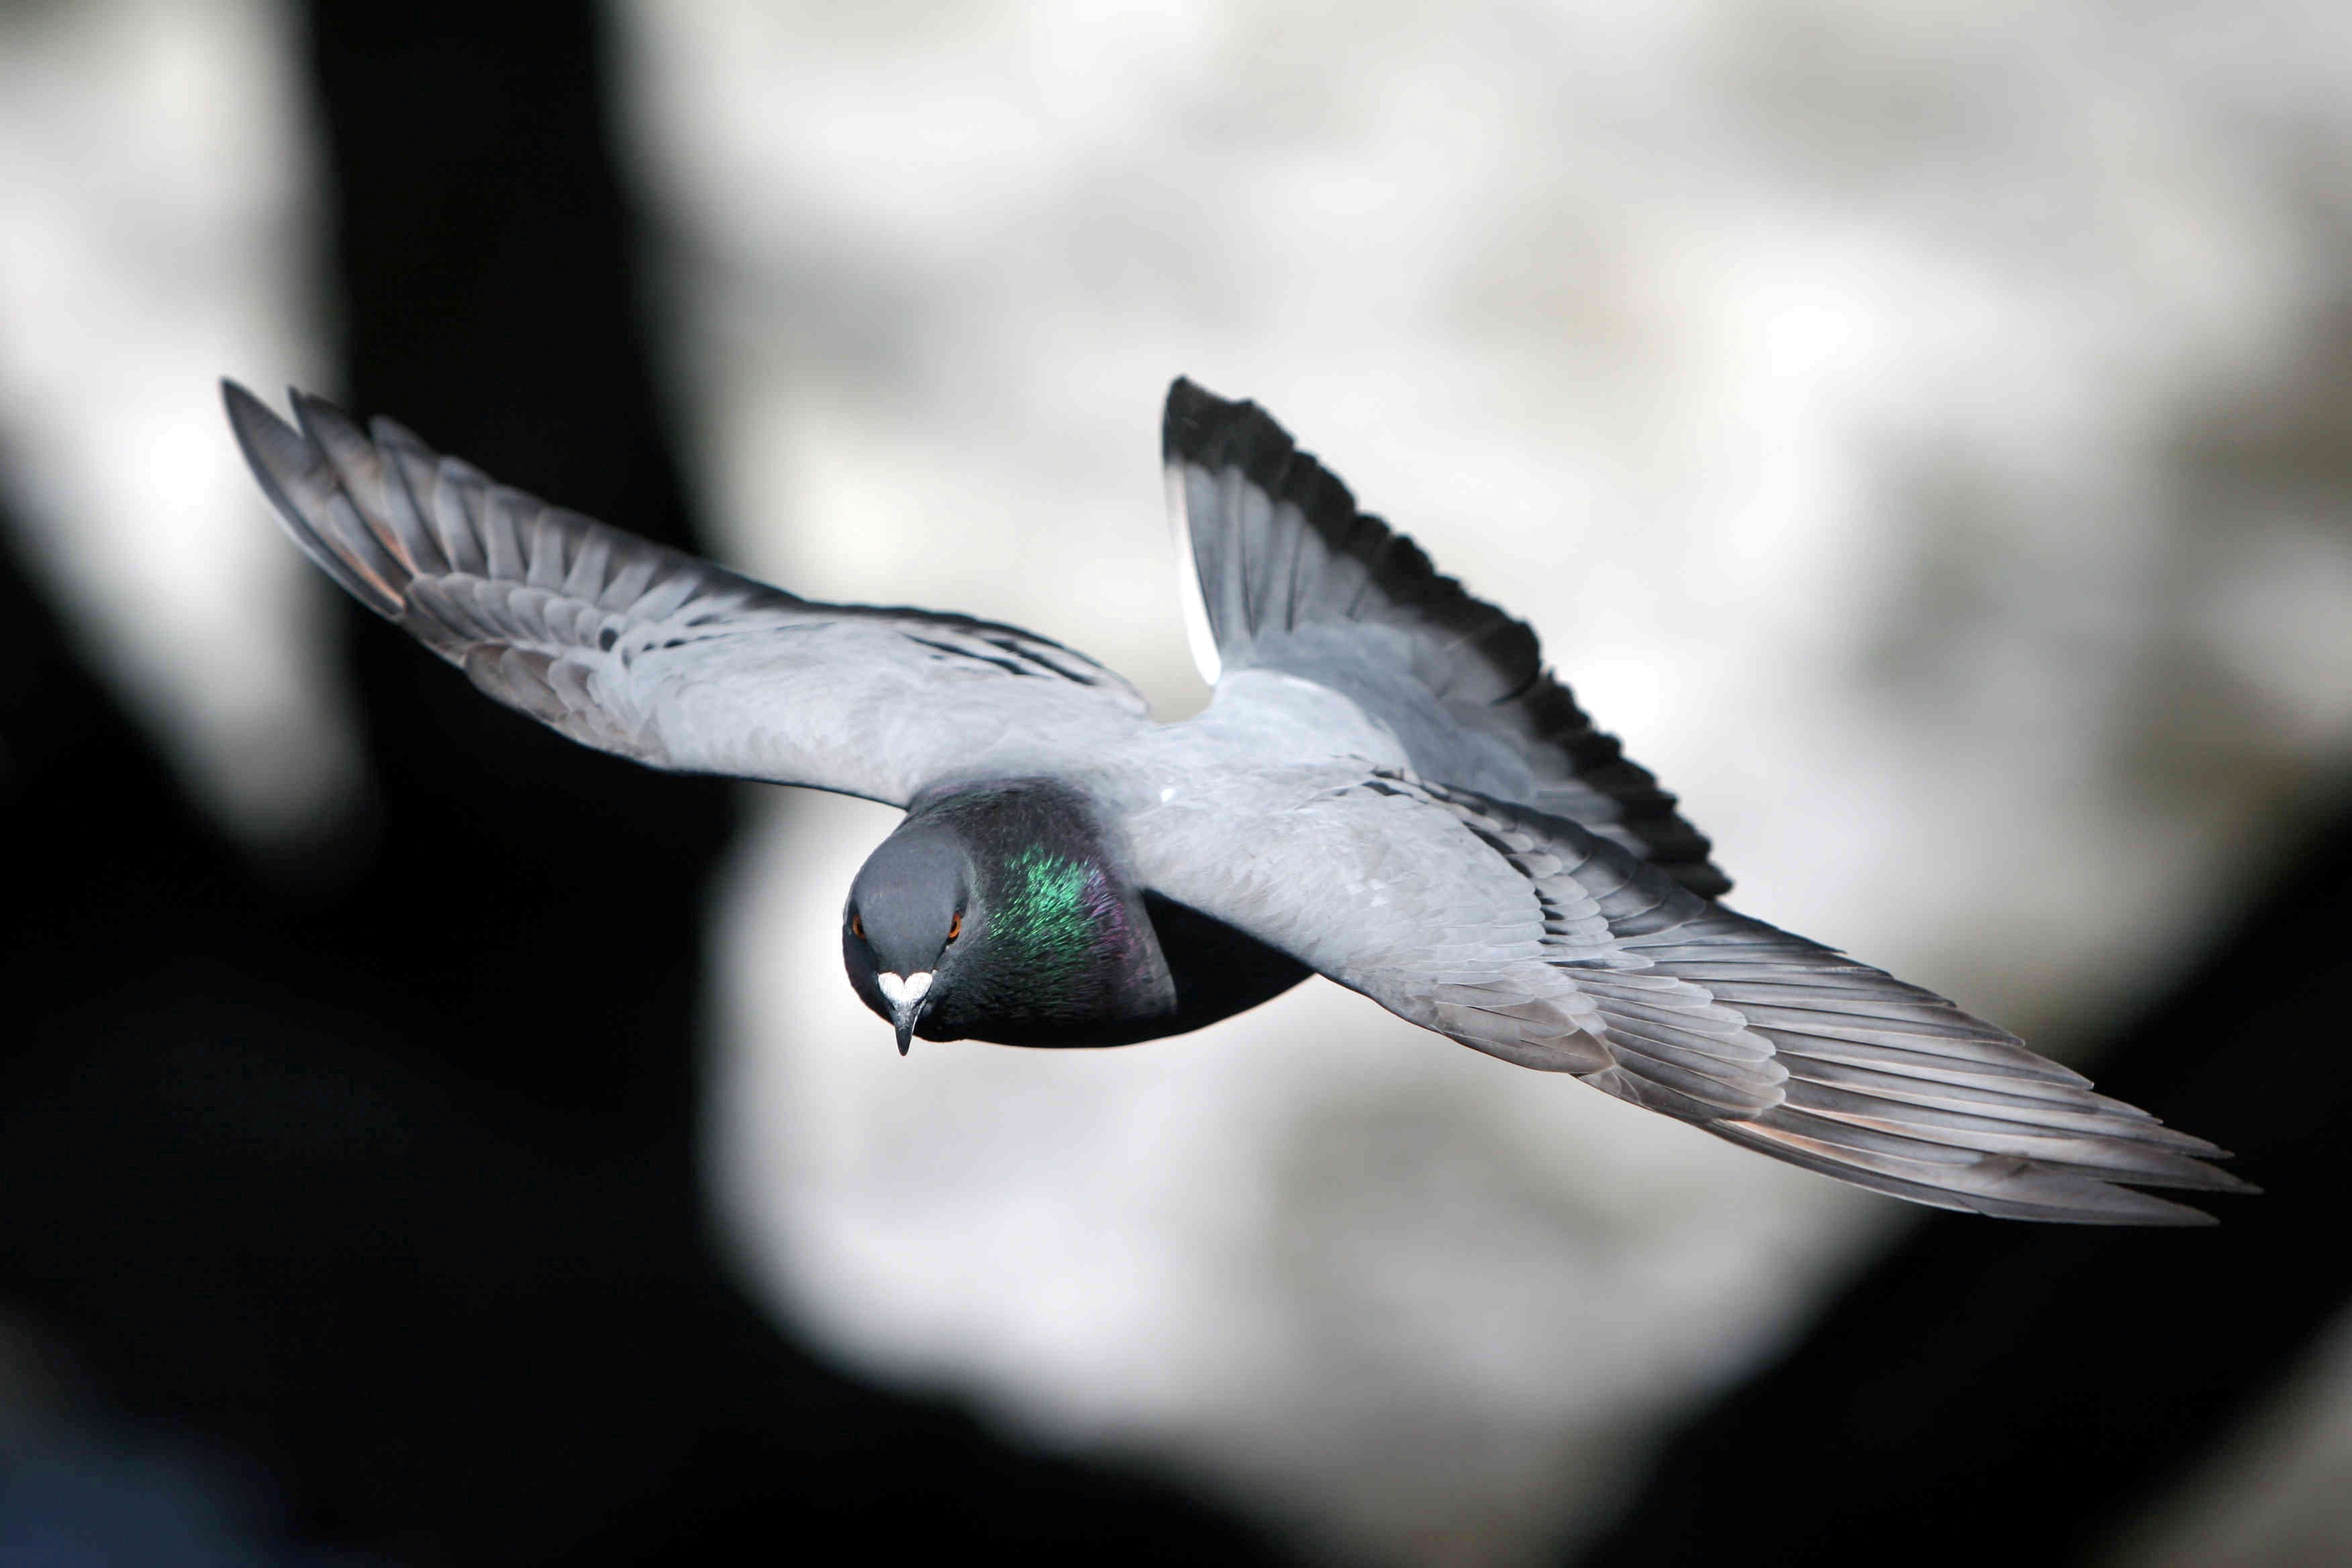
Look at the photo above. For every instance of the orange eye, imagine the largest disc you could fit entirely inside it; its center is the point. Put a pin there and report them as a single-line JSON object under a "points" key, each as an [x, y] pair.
{"points": [[955, 925], [858, 926]]}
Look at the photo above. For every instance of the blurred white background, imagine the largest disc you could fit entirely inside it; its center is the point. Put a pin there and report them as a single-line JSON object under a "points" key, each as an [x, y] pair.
{"points": [[1918, 430]]}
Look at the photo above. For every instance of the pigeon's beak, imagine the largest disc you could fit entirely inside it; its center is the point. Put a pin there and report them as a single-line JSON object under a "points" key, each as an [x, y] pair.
{"points": [[906, 994]]}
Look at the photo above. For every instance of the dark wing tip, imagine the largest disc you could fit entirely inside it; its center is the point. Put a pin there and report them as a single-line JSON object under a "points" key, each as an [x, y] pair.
{"points": [[1200, 427], [275, 450], [259, 432], [1189, 409], [296, 476], [235, 398], [1215, 434], [311, 409]]}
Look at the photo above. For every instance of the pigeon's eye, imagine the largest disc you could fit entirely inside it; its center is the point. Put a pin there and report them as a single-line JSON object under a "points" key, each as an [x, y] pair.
{"points": [[955, 925], [857, 925]]}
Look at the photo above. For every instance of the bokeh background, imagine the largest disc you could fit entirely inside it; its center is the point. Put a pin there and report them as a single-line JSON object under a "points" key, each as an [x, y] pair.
{"points": [[1923, 432]]}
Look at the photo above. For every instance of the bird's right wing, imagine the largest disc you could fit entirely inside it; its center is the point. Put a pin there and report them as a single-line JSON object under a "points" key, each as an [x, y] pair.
{"points": [[1534, 940], [653, 653]]}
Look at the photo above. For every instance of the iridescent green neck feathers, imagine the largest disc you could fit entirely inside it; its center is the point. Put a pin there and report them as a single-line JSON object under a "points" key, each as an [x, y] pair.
{"points": [[1052, 914]]}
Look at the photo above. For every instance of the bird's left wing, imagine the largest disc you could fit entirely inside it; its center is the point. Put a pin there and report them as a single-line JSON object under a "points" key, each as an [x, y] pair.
{"points": [[1533, 939], [653, 653], [1281, 571]]}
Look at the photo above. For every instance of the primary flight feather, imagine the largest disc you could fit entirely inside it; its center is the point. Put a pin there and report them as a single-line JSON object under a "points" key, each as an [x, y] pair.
{"points": [[1388, 788]]}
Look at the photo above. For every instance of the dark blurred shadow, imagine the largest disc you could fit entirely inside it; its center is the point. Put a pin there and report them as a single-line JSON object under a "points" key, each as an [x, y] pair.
{"points": [[2000, 1392], [387, 1185]]}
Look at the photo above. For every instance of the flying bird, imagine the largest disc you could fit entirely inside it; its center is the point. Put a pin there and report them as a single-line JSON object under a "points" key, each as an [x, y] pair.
{"points": [[1388, 788]]}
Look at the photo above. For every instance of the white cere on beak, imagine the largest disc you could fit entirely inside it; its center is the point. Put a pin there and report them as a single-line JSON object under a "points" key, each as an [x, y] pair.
{"points": [[904, 991]]}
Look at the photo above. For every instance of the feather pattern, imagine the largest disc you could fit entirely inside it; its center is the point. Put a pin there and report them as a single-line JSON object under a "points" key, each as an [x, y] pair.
{"points": [[656, 654], [1282, 572], [1556, 949]]}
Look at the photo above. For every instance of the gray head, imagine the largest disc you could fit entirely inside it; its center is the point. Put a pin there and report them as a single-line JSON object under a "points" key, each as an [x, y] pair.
{"points": [[905, 910], [997, 913]]}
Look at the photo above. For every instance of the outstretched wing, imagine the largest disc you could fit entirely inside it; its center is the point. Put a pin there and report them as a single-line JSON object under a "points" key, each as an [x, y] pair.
{"points": [[650, 653], [1531, 939], [1281, 571]]}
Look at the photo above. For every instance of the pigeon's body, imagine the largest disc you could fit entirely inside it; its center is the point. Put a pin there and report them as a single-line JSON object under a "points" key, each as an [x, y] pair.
{"points": [[1047, 939], [1388, 788]]}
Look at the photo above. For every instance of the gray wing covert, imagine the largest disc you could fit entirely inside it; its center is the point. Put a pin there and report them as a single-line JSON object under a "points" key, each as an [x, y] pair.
{"points": [[1281, 571], [653, 653], [1533, 940]]}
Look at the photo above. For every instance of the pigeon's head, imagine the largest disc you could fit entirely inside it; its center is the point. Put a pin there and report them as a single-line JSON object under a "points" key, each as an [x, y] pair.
{"points": [[905, 917], [997, 914]]}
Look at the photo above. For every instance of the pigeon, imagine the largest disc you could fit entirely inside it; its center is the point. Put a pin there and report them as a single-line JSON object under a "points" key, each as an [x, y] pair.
{"points": [[1388, 788]]}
